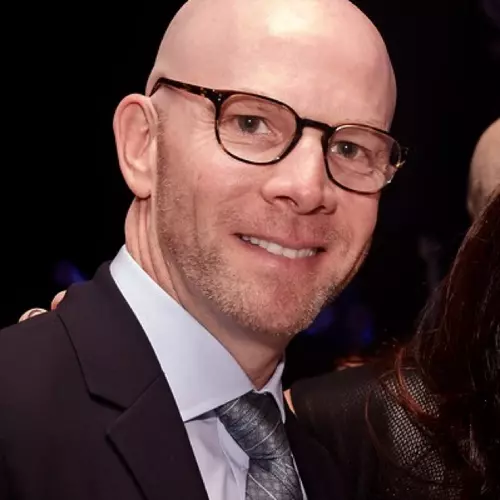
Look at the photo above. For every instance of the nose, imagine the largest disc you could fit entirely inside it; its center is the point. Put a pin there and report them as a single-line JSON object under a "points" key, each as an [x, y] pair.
{"points": [[300, 179]]}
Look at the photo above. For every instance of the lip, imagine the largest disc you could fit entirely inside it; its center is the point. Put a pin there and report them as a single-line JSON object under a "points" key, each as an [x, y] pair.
{"points": [[293, 244]]}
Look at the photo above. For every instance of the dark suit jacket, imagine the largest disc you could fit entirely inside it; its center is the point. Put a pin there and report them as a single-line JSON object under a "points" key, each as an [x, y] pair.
{"points": [[87, 414]]}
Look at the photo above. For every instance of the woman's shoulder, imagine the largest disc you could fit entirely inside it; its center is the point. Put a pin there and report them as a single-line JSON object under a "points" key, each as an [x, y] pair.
{"points": [[332, 395], [361, 402], [358, 415], [333, 408]]}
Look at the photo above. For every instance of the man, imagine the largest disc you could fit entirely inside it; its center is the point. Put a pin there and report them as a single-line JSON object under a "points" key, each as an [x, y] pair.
{"points": [[484, 173], [160, 378]]}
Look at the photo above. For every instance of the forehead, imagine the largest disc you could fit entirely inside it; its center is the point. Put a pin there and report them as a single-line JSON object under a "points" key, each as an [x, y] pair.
{"points": [[331, 85]]}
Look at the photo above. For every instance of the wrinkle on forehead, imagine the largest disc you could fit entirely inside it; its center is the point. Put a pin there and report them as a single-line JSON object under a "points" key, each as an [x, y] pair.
{"points": [[219, 43]]}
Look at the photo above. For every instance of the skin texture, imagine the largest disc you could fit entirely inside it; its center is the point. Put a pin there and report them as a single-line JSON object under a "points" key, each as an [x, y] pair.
{"points": [[192, 201], [484, 174]]}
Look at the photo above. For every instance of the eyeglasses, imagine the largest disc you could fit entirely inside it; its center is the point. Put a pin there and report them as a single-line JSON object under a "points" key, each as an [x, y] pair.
{"points": [[260, 130]]}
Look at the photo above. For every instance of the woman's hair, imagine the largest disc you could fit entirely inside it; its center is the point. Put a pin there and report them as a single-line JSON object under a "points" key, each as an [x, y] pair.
{"points": [[457, 351]]}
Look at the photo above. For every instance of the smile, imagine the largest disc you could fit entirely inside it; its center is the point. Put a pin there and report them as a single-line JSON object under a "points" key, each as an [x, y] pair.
{"points": [[276, 249]]}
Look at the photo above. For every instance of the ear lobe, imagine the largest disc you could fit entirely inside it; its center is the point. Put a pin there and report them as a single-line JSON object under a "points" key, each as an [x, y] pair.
{"points": [[135, 126]]}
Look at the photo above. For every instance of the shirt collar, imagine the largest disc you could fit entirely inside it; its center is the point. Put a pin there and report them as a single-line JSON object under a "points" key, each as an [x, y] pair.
{"points": [[200, 371]]}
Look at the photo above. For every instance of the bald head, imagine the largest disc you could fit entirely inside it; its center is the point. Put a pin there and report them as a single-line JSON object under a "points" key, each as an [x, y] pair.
{"points": [[242, 45], [484, 175], [205, 206]]}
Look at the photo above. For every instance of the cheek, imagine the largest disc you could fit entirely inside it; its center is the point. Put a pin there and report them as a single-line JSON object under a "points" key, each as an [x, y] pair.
{"points": [[360, 214], [201, 163], [217, 201], [211, 193], [218, 182]]}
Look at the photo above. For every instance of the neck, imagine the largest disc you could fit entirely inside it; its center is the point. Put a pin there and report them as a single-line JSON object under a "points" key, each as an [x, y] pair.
{"points": [[258, 357]]}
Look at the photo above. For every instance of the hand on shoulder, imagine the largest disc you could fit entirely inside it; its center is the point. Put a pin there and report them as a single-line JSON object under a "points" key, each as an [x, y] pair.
{"points": [[30, 313]]}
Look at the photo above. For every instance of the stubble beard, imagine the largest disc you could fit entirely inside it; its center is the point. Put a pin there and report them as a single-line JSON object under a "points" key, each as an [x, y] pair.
{"points": [[261, 306]]}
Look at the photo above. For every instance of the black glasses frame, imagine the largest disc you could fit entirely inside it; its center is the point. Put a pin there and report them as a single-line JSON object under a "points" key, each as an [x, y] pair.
{"points": [[219, 97]]}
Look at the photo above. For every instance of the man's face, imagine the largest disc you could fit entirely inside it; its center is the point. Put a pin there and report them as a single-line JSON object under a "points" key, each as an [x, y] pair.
{"points": [[209, 205]]}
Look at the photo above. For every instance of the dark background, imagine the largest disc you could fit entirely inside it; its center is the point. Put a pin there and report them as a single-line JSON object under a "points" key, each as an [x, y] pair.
{"points": [[64, 201]]}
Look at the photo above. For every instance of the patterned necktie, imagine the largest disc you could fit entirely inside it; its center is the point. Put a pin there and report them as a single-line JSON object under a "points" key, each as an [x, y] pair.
{"points": [[254, 422]]}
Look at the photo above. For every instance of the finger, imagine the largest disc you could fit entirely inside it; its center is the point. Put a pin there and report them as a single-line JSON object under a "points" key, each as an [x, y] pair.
{"points": [[57, 300], [288, 398], [30, 313]]}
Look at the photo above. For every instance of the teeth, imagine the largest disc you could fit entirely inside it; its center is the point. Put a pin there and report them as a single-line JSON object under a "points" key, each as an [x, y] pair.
{"points": [[276, 249]]}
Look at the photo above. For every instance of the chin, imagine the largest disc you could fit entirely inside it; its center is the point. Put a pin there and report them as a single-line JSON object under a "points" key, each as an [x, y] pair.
{"points": [[276, 321], [263, 305]]}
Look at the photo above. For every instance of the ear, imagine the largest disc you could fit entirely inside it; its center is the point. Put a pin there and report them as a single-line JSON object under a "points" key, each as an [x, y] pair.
{"points": [[135, 127]]}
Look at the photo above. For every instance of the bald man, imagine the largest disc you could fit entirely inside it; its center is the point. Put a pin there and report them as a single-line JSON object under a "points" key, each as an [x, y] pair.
{"points": [[257, 157], [484, 173]]}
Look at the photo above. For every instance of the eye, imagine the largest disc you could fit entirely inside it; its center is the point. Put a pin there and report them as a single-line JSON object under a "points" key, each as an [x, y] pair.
{"points": [[252, 125], [346, 149]]}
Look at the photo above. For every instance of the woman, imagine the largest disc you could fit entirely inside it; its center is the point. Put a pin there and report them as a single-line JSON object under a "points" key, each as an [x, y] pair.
{"points": [[426, 422]]}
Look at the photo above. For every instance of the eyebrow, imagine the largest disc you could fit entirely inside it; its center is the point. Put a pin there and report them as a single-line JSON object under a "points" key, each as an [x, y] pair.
{"points": [[369, 123]]}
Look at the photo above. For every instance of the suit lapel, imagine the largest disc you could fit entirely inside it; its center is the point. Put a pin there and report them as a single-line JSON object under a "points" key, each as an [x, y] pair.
{"points": [[317, 470], [120, 367], [151, 438]]}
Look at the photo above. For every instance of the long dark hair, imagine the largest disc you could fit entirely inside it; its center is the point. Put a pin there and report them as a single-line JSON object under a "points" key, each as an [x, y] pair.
{"points": [[457, 351]]}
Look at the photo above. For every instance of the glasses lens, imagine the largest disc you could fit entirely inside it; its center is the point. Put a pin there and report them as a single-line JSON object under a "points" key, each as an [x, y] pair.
{"points": [[362, 159], [255, 129]]}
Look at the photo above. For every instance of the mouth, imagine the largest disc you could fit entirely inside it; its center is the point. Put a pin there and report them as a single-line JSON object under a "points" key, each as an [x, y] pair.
{"points": [[280, 250]]}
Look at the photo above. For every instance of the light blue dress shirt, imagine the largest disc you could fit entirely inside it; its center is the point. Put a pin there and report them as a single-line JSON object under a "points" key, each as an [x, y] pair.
{"points": [[201, 373]]}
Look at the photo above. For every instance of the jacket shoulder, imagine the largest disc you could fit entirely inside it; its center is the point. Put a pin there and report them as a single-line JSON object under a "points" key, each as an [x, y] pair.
{"points": [[32, 335], [35, 356]]}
